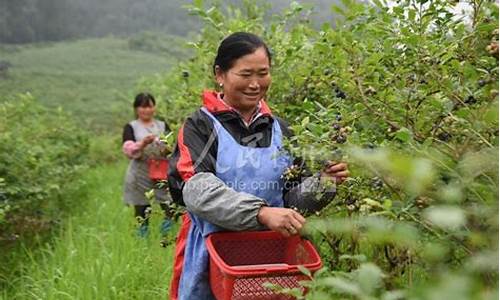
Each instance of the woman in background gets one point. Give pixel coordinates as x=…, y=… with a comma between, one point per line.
x=140, y=142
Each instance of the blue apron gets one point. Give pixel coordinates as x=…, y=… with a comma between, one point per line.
x=256, y=171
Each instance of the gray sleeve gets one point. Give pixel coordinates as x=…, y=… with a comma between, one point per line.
x=211, y=199
x=311, y=195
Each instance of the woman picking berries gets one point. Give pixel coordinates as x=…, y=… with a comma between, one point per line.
x=140, y=142
x=228, y=165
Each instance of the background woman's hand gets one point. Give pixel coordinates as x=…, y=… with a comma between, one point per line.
x=286, y=221
x=336, y=172
x=147, y=140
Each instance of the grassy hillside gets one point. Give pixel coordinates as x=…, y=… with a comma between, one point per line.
x=96, y=255
x=94, y=79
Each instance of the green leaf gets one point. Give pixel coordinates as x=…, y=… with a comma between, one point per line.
x=372, y=203
x=304, y=270
x=369, y=278
x=198, y=3
x=403, y=134
x=491, y=115
x=387, y=204
x=394, y=295
x=451, y=193
x=358, y=257
x=305, y=121
x=342, y=285
x=446, y=217
x=485, y=261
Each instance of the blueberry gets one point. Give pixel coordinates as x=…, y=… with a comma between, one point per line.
x=445, y=178
x=370, y=90
x=470, y=100
x=337, y=91
x=377, y=183
x=340, y=94
x=422, y=202
x=325, y=163
x=336, y=126
x=444, y=136
x=341, y=139
x=481, y=82
x=350, y=201
x=370, y=146
x=338, y=117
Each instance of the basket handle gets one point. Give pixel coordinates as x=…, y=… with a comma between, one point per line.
x=268, y=268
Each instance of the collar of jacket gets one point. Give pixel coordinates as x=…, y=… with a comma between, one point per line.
x=212, y=103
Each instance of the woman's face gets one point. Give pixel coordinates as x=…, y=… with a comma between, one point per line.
x=145, y=113
x=247, y=81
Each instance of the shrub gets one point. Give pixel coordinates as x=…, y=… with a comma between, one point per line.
x=408, y=96
x=41, y=152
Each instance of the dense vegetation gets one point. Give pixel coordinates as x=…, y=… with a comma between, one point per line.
x=62, y=109
x=408, y=95
x=41, y=151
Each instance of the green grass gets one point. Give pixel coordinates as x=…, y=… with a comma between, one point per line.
x=97, y=255
x=95, y=79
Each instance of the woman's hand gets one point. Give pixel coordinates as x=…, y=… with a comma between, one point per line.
x=147, y=140
x=336, y=172
x=286, y=221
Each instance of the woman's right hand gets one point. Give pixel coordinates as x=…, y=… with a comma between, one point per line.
x=147, y=140
x=286, y=221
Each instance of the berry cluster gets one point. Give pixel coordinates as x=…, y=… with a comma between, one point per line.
x=292, y=173
x=340, y=132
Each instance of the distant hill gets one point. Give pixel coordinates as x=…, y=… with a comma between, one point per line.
x=95, y=79
x=28, y=21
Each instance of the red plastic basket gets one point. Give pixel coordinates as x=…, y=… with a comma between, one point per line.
x=241, y=262
x=158, y=168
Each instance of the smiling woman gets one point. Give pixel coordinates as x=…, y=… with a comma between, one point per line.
x=228, y=165
x=245, y=80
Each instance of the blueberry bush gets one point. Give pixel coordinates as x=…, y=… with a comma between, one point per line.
x=41, y=152
x=407, y=93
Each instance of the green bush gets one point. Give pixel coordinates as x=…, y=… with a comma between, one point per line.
x=41, y=151
x=408, y=96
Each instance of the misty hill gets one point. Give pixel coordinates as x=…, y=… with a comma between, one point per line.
x=28, y=21
x=95, y=79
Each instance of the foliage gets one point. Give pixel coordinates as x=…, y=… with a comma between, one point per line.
x=41, y=152
x=407, y=94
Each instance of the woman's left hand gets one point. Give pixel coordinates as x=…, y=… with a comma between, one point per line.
x=335, y=171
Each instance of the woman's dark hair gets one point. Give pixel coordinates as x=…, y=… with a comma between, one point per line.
x=143, y=100
x=236, y=46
